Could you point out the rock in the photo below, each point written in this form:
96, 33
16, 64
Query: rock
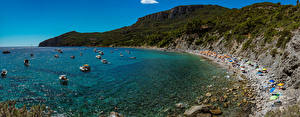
238, 104
277, 103
203, 115
216, 111
208, 94
206, 101
181, 105
296, 84
115, 114
213, 99
193, 110
225, 105
244, 100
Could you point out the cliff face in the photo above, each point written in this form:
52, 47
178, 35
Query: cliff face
177, 12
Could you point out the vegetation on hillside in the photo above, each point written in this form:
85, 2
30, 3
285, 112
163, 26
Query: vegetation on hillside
273, 22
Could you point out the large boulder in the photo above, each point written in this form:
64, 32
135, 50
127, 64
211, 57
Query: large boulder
193, 110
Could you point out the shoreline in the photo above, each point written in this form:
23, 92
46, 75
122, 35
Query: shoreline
255, 82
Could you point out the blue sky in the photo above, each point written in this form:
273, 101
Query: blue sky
28, 22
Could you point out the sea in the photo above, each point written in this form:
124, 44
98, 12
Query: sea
149, 85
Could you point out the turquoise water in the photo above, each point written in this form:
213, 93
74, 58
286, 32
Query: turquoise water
144, 86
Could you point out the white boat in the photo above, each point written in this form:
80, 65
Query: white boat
85, 68
26, 62
3, 73
101, 53
98, 56
104, 61
63, 78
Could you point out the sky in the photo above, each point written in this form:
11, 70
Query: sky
28, 22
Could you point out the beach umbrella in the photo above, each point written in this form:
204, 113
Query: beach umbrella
272, 90
264, 69
273, 97
272, 81
280, 84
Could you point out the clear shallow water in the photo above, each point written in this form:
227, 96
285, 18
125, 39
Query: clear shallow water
147, 85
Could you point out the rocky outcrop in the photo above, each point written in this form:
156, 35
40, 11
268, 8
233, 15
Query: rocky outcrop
180, 11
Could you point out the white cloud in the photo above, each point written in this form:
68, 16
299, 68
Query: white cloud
149, 2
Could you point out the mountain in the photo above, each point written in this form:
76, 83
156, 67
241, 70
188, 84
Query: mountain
135, 35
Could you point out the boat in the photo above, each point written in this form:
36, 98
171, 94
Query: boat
132, 57
63, 79
3, 73
98, 56
104, 61
85, 68
26, 62
6, 52
95, 50
56, 56
59, 50
72, 57
101, 53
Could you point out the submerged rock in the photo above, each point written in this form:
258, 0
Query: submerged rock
193, 110
208, 94
181, 105
115, 114
216, 111
203, 115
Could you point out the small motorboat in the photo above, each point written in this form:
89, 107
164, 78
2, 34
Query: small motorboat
26, 62
6, 52
85, 68
56, 56
3, 73
98, 56
132, 57
101, 53
72, 57
60, 51
63, 79
104, 61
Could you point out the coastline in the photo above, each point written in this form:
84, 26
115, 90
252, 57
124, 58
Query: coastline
258, 84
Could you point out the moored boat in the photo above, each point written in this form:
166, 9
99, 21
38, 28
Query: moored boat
104, 61
26, 62
98, 56
85, 68
3, 73
63, 79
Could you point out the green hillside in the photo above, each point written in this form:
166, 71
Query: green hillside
272, 21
